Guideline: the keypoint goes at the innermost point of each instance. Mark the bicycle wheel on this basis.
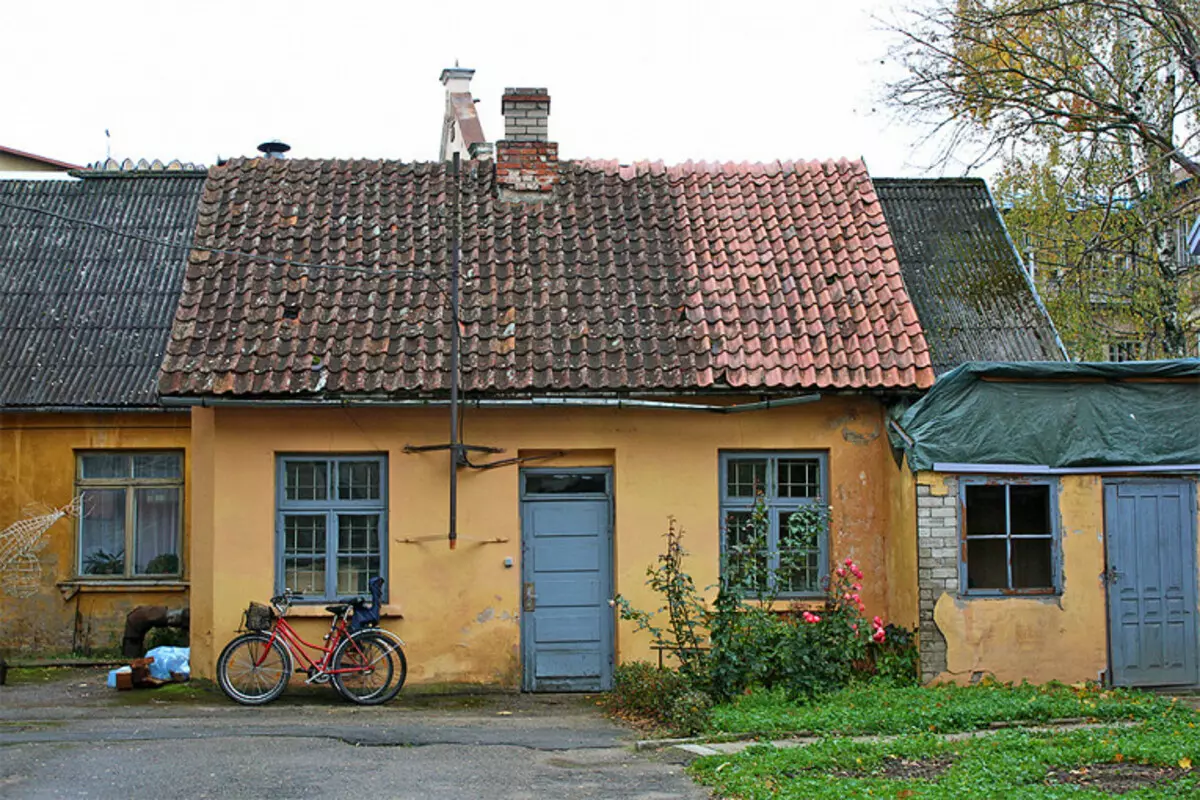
(254, 669)
(376, 668)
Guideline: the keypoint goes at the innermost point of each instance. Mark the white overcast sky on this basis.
(726, 80)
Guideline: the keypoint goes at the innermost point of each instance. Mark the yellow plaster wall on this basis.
(461, 608)
(901, 561)
(37, 467)
(1037, 639)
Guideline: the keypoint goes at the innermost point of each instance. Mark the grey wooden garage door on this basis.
(566, 564)
(1150, 528)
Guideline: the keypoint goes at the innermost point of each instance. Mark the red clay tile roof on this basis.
(636, 278)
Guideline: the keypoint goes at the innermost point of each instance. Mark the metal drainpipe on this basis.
(455, 446)
(541, 402)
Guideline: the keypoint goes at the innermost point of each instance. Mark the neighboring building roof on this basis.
(84, 314)
(144, 165)
(965, 277)
(637, 278)
(1057, 416)
(40, 162)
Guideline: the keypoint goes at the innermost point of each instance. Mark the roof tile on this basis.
(633, 278)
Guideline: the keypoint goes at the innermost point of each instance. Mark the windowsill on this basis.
(316, 610)
(997, 594)
(173, 584)
(784, 604)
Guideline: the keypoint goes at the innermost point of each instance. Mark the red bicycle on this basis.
(366, 666)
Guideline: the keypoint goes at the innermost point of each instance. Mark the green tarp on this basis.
(1057, 414)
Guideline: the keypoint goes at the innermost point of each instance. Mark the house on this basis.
(1056, 522)
(637, 342)
(87, 295)
(12, 160)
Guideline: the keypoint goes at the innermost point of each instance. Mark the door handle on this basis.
(528, 598)
(1111, 575)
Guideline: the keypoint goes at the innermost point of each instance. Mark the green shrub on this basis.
(896, 660)
(690, 712)
(644, 692)
(166, 637)
(742, 641)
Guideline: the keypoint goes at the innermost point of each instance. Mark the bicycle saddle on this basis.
(338, 609)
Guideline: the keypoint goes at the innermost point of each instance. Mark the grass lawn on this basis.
(881, 709)
(1151, 760)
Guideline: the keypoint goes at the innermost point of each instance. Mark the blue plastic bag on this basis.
(168, 660)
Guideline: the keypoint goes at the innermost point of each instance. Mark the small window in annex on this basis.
(1010, 537)
(785, 482)
(131, 524)
(331, 524)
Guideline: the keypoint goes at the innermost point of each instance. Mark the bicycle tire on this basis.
(248, 682)
(377, 685)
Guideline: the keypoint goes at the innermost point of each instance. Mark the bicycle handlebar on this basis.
(282, 601)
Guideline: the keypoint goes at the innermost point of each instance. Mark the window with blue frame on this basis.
(784, 481)
(331, 524)
(1010, 534)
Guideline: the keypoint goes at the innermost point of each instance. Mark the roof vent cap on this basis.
(273, 149)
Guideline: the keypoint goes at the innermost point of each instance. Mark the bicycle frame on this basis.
(284, 633)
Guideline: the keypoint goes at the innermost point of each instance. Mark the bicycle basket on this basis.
(259, 617)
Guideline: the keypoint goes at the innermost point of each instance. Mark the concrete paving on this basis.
(70, 737)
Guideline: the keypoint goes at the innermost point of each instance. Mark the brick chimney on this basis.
(526, 164)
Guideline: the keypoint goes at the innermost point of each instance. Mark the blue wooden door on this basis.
(1150, 529)
(566, 565)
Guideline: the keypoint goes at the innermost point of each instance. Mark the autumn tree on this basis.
(1091, 105)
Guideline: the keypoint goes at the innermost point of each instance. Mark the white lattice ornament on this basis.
(20, 570)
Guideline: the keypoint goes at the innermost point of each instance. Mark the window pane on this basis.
(1030, 509)
(799, 566)
(566, 483)
(358, 552)
(358, 534)
(159, 465)
(985, 510)
(306, 480)
(1032, 564)
(799, 477)
(103, 465)
(744, 477)
(354, 572)
(987, 564)
(304, 534)
(156, 535)
(358, 480)
(304, 553)
(305, 575)
(102, 532)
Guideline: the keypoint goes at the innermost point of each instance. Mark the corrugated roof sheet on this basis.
(963, 274)
(84, 314)
(638, 278)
